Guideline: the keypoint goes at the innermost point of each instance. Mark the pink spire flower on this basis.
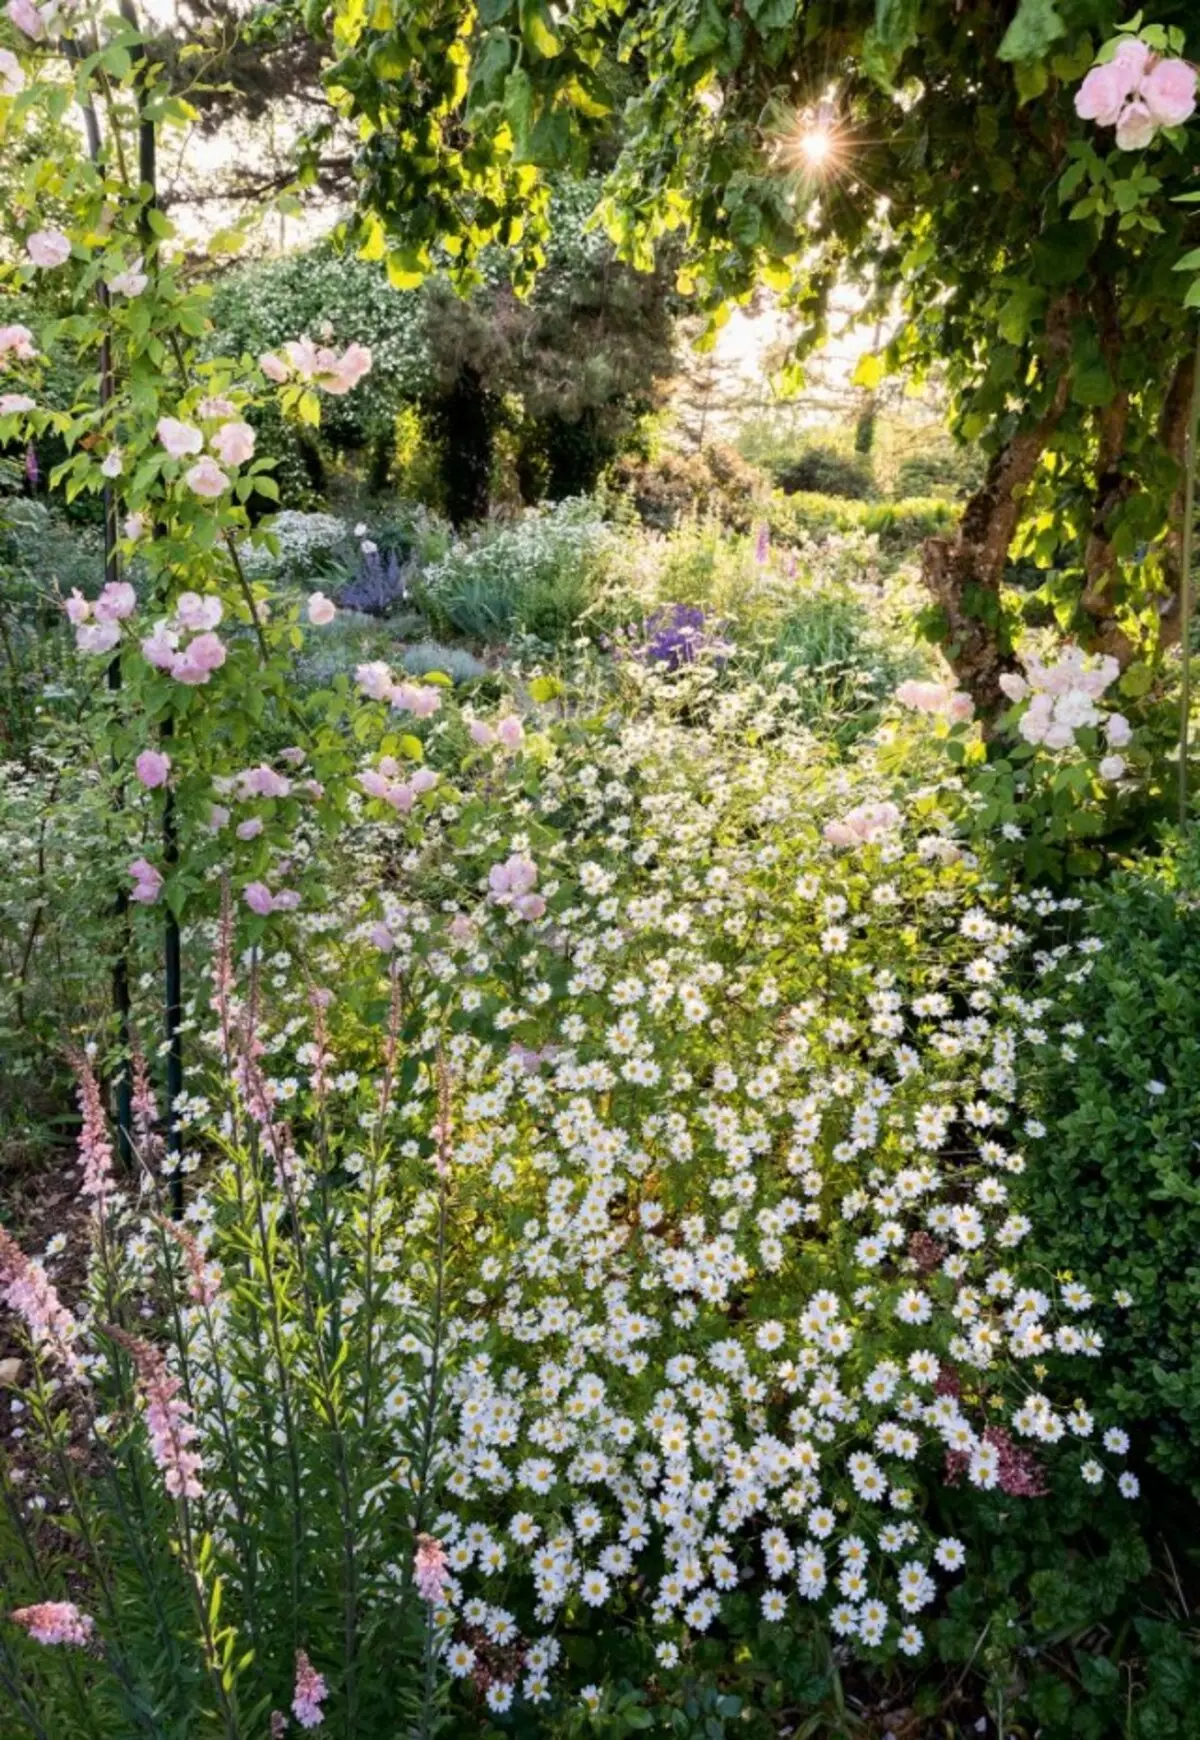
(310, 1693)
(168, 1417)
(430, 1570)
(55, 1622)
(26, 1289)
(95, 1149)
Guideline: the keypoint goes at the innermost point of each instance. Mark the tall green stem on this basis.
(1185, 585)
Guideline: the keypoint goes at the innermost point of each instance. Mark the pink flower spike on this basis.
(152, 768)
(309, 1694)
(48, 248)
(430, 1571)
(55, 1622)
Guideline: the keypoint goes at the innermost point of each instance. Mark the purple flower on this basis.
(678, 633)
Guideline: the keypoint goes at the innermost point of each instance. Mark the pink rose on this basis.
(48, 247)
(338, 375)
(274, 368)
(130, 281)
(199, 612)
(510, 731)
(839, 834)
(218, 817)
(259, 899)
(27, 18)
(152, 768)
(158, 649)
(178, 438)
(77, 608)
(12, 79)
(1118, 730)
(207, 651)
(262, 781)
(233, 443)
(116, 601)
(97, 637)
(1103, 92)
(148, 882)
(481, 734)
(1112, 767)
(416, 698)
(250, 830)
(135, 525)
(17, 341)
(13, 404)
(401, 798)
(321, 609)
(113, 463)
(960, 708)
(1014, 686)
(424, 779)
(206, 479)
(374, 784)
(1136, 128)
(374, 680)
(216, 405)
(530, 905)
(1169, 92)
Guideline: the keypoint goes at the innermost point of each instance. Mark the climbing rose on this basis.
(17, 341)
(178, 438)
(77, 607)
(321, 609)
(97, 637)
(12, 79)
(12, 403)
(259, 899)
(116, 601)
(147, 882)
(1169, 92)
(152, 768)
(233, 443)
(55, 1622)
(273, 367)
(48, 247)
(27, 18)
(131, 281)
(206, 479)
(1107, 88)
(197, 612)
(1137, 93)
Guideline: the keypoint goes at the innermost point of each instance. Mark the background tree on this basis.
(928, 149)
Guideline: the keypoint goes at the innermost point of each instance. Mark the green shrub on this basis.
(899, 524)
(954, 472)
(672, 487)
(824, 470)
(1117, 1177)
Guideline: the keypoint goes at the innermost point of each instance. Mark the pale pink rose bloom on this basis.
(148, 880)
(112, 465)
(389, 765)
(135, 525)
(152, 768)
(259, 899)
(17, 341)
(294, 756)
(1136, 128)
(1169, 92)
(401, 797)
(158, 649)
(303, 356)
(1103, 92)
(424, 779)
(481, 733)
(233, 443)
(922, 697)
(117, 601)
(314, 788)
(48, 247)
(960, 708)
(382, 938)
(217, 405)
(1112, 767)
(374, 680)
(199, 611)
(27, 18)
(12, 79)
(206, 479)
(510, 731)
(321, 609)
(178, 438)
(517, 875)
(374, 784)
(1014, 686)
(530, 905)
(97, 637)
(274, 368)
(338, 375)
(419, 699)
(77, 607)
(250, 830)
(13, 404)
(262, 781)
(218, 817)
(287, 900)
(1058, 736)
(1118, 730)
(839, 834)
(207, 652)
(193, 676)
(131, 281)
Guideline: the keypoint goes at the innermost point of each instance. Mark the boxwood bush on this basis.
(1118, 1171)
